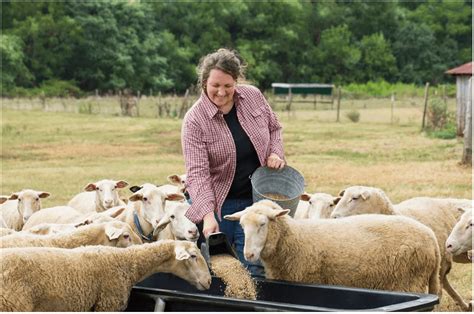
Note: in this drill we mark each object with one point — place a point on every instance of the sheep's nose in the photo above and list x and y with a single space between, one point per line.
449 246
193 232
249 255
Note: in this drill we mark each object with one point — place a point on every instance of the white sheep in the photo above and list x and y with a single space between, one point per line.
99 196
145 209
69 215
175 225
20 206
460 239
315 206
371 251
93 278
178 180
113 233
437 214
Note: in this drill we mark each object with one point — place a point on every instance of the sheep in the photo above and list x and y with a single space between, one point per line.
178 180
375 252
145 209
68 215
99 196
51 228
113 233
460 239
92 278
436 214
20 206
179 226
315 206
6 231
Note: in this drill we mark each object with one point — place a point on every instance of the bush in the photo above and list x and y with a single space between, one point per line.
437 114
353 115
51 88
447 133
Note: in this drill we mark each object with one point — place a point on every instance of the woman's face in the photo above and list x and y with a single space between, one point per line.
220 88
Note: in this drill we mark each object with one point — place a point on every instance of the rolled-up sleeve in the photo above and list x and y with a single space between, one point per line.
198 180
275 128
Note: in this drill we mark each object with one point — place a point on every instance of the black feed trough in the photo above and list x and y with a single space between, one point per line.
166 292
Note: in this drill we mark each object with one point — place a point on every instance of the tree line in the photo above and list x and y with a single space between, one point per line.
155 46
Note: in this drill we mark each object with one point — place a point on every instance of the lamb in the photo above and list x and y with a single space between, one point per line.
93 278
375 252
68 215
99 196
437 214
460 239
20 206
179 227
316 206
114 233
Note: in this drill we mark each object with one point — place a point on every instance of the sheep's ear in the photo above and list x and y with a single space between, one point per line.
136 197
43 194
13 196
305 197
90 187
181 253
235 216
162 224
341 193
175 197
461 210
278 213
336 200
121 184
3 199
112 232
174 179
116 213
135 188
365 195
84 223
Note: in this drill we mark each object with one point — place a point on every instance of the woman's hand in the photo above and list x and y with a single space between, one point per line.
273 161
210 224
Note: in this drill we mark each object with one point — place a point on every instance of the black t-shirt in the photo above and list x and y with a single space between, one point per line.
247 158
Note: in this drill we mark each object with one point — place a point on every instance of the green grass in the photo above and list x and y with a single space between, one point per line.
61 152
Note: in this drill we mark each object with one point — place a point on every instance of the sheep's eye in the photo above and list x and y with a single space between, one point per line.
37 199
19 200
97 188
193 255
331 205
145 199
262 224
355 198
310 203
172 217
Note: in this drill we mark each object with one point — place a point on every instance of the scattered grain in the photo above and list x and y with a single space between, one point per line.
239 283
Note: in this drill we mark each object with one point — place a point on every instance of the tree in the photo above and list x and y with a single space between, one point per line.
377 61
14 71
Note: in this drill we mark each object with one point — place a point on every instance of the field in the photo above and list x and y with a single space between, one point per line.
60 152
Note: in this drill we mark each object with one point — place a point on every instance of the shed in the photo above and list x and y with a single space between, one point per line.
291 89
463 75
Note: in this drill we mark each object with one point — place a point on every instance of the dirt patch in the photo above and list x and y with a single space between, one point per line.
239 283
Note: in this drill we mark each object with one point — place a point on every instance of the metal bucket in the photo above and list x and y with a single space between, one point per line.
286 182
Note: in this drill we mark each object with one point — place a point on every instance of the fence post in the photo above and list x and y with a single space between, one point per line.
338 102
427 86
138 102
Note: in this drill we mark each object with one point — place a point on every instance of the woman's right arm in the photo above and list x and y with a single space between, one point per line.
198 178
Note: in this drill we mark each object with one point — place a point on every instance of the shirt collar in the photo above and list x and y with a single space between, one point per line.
211 109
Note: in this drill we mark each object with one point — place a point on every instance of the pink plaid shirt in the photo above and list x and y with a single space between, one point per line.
209 149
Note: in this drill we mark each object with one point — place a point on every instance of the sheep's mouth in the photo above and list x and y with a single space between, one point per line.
201 286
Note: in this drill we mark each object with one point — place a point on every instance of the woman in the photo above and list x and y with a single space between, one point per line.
227 134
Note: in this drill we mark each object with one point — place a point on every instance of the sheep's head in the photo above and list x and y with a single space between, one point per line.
254 220
29 202
179 181
153 202
119 234
190 265
106 192
181 227
357 200
460 239
320 205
